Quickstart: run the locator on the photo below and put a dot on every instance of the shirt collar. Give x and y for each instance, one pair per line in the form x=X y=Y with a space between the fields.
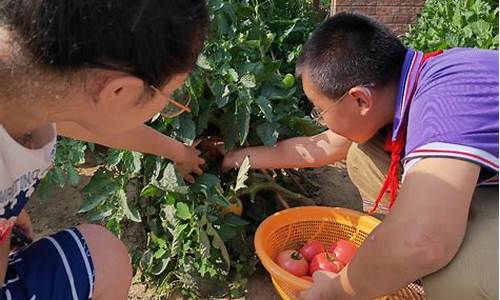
x=407 y=81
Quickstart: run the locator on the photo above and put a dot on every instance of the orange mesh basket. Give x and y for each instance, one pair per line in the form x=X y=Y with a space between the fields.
x=291 y=228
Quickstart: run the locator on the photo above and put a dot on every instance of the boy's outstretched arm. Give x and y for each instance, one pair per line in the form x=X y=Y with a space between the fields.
x=142 y=139
x=299 y=152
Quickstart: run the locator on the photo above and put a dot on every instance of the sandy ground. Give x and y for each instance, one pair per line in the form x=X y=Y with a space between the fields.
x=334 y=189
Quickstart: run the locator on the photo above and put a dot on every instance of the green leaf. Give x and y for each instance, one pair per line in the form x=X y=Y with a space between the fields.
x=242 y=174
x=114 y=157
x=171 y=182
x=131 y=213
x=219 y=200
x=169 y=215
x=42 y=190
x=160 y=266
x=218 y=243
x=234 y=220
x=147 y=258
x=100 y=215
x=101 y=180
x=185 y=128
x=204 y=244
x=227 y=232
x=182 y=211
x=227 y=127
x=205 y=183
x=266 y=107
x=204 y=63
x=268 y=133
x=73 y=176
x=480 y=28
x=233 y=75
x=59 y=177
x=92 y=202
x=243 y=116
x=248 y=81
x=150 y=190
x=159 y=253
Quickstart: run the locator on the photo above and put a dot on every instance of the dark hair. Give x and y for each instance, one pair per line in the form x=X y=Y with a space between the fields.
x=151 y=39
x=348 y=50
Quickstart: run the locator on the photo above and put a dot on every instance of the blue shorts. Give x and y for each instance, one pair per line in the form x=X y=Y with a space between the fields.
x=57 y=267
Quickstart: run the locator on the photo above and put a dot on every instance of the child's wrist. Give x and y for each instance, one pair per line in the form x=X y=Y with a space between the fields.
x=177 y=152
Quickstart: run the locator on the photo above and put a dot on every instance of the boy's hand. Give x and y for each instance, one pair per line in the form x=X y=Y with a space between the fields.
x=322 y=288
x=190 y=163
x=213 y=145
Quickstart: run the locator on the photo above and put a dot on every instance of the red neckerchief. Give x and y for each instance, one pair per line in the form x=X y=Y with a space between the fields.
x=391 y=183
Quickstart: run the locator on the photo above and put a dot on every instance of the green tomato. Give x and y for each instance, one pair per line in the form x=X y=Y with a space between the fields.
x=288 y=81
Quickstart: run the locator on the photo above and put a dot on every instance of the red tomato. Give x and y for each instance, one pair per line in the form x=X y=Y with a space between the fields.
x=308 y=278
x=344 y=250
x=310 y=249
x=293 y=262
x=325 y=262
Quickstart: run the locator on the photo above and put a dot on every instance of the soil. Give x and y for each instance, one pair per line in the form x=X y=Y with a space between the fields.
x=328 y=186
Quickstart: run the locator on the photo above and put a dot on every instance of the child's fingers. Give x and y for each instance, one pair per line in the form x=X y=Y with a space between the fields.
x=196 y=143
x=198 y=171
x=189 y=178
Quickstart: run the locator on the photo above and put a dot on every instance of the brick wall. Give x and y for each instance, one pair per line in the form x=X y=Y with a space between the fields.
x=397 y=14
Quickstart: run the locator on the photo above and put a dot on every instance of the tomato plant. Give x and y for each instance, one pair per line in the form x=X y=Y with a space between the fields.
x=293 y=262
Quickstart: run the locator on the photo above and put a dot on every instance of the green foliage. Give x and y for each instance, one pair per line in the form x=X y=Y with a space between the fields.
x=242 y=89
x=70 y=154
x=446 y=24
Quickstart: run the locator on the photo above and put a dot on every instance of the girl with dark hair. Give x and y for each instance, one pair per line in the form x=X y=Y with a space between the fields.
x=95 y=70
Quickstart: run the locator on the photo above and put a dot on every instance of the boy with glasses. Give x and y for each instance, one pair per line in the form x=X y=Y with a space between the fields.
x=419 y=132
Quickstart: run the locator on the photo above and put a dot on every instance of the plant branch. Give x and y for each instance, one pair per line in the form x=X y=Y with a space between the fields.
x=254 y=189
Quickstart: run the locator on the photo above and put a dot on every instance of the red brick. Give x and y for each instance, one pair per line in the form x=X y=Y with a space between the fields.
x=365 y=10
x=397 y=13
x=413 y=18
x=386 y=19
x=401 y=19
x=364 y=2
x=387 y=10
x=408 y=10
x=389 y=2
x=344 y=2
x=413 y=2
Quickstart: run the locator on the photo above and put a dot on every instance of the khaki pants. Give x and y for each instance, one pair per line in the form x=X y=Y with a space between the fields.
x=473 y=273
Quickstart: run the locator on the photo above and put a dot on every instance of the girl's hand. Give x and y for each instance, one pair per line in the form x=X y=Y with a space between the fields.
x=190 y=163
x=23 y=221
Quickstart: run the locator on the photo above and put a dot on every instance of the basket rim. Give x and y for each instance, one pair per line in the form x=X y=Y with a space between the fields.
x=282 y=218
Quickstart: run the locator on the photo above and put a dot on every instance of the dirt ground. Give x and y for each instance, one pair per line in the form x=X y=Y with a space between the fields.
x=334 y=189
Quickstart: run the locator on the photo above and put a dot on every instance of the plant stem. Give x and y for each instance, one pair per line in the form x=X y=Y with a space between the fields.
x=272 y=186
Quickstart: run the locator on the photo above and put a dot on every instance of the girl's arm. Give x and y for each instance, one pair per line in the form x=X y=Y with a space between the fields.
x=142 y=139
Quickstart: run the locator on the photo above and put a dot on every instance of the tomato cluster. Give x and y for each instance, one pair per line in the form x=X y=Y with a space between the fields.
x=313 y=256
